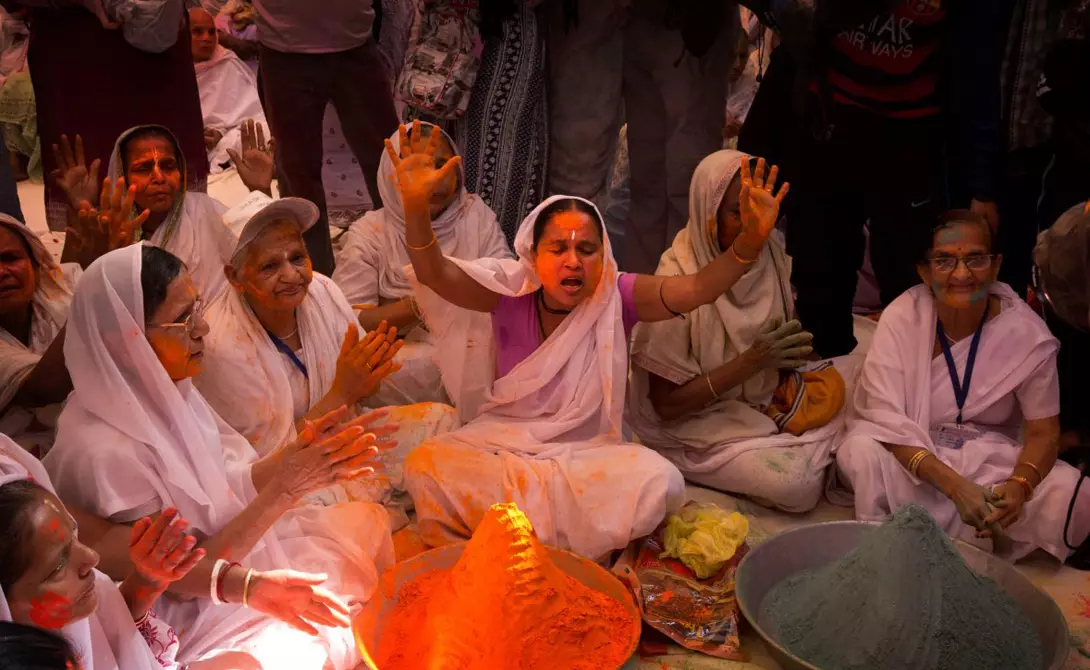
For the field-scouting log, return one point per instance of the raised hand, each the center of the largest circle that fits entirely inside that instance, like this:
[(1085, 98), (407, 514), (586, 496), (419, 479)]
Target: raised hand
[(297, 599), (72, 175), (256, 164), (414, 169), (111, 226), (364, 363), (780, 347), (326, 453), (161, 552), (760, 205)]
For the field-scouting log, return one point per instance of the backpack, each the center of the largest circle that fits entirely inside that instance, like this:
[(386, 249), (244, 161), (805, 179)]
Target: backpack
[(443, 58)]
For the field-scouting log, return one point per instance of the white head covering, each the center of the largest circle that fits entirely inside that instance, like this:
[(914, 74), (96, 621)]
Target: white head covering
[(130, 436), (373, 261), (571, 388), (682, 349), (264, 211), (193, 230), (108, 639), (228, 89), (50, 310)]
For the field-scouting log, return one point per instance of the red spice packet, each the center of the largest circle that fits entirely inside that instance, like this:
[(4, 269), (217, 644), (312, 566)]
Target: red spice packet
[(698, 614)]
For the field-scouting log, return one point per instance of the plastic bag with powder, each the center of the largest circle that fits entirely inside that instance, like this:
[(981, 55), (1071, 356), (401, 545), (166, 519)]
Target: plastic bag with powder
[(700, 614)]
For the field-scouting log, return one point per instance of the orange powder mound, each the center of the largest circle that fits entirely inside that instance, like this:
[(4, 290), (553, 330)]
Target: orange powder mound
[(407, 543), (504, 606)]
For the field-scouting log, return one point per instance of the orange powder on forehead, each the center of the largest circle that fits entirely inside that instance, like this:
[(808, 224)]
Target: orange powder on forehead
[(505, 606)]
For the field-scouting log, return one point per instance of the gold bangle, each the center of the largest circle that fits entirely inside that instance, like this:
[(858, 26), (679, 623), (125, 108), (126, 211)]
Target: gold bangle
[(740, 259), (246, 587), (1031, 466), (710, 387), (434, 239), (916, 460), (1024, 483)]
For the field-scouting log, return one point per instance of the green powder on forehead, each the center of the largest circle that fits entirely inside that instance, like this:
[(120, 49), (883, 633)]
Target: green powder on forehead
[(904, 599)]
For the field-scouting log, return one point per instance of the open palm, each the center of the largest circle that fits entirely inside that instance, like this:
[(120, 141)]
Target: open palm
[(72, 175), (414, 169), (760, 203)]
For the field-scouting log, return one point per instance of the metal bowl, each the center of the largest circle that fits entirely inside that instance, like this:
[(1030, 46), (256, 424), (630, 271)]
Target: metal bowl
[(369, 623), (817, 545)]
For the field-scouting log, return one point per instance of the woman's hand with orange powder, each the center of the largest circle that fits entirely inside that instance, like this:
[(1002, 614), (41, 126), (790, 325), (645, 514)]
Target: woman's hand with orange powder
[(364, 363), (161, 553), (760, 204), (414, 169), (256, 164), (111, 226), (327, 452), (79, 182)]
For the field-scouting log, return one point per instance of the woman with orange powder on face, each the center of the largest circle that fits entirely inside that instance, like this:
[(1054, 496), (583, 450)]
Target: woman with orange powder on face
[(187, 224), (284, 347), (542, 386), (371, 265), (136, 438)]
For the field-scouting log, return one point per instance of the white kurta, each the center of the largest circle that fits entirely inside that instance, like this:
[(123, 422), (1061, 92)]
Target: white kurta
[(905, 392), (547, 435), (130, 440), (228, 89), (371, 265), (259, 391), (33, 428)]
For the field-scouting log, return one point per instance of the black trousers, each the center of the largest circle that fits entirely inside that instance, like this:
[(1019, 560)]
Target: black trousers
[(867, 168)]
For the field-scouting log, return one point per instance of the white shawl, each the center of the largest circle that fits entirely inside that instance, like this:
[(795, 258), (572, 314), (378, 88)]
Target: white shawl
[(898, 382), (682, 349), (243, 376), (108, 639), (130, 436), (567, 395), (193, 231), (371, 268), (50, 310), (228, 89)]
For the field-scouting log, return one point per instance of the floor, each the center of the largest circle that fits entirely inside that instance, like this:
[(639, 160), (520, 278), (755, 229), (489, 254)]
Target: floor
[(1069, 588)]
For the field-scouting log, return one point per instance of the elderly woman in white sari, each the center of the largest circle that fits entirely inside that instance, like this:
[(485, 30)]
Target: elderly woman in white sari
[(35, 292), (136, 438), (284, 347), (49, 580), (541, 381), (187, 224), (228, 89), (371, 266), (716, 393), (957, 406)]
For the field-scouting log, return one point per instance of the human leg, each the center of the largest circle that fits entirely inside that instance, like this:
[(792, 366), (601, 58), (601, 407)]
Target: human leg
[(297, 88)]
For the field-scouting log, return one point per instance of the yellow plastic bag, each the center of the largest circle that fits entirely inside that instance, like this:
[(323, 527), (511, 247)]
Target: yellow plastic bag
[(704, 537)]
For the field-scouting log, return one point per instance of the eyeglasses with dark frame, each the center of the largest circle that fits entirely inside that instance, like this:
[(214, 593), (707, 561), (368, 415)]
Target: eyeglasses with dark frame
[(973, 262)]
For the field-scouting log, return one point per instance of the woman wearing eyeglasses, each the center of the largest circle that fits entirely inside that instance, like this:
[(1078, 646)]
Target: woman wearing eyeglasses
[(137, 438), (957, 407)]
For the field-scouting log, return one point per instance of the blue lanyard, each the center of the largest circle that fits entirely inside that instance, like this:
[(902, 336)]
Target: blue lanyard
[(961, 389), (286, 350)]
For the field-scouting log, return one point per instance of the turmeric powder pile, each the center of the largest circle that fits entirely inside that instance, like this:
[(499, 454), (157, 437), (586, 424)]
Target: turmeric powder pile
[(505, 606)]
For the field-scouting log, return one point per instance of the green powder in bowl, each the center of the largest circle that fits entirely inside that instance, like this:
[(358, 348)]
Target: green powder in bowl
[(902, 600)]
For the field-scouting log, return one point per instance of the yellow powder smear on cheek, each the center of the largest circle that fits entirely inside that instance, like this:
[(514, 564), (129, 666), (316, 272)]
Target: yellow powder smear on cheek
[(505, 606)]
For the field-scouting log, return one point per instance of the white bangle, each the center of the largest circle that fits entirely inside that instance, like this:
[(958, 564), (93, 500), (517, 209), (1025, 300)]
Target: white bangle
[(216, 570)]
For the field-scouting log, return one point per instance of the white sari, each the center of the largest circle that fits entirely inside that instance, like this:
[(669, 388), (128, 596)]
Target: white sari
[(228, 89), (17, 360), (132, 442), (548, 435), (249, 382), (193, 230), (905, 393), (731, 444), (371, 267), (108, 639)]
